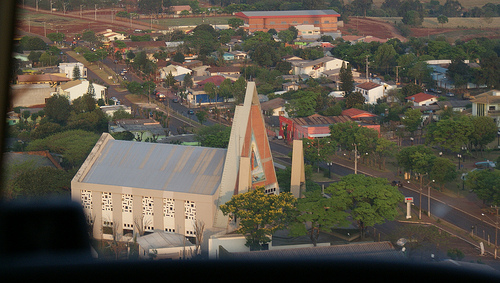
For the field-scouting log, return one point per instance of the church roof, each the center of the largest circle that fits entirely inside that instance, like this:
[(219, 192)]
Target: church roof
[(164, 167)]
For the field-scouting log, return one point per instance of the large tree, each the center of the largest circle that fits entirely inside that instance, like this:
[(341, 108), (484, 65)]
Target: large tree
[(320, 212), (259, 215), (346, 79), (58, 109), (451, 134), (370, 200), (486, 185)]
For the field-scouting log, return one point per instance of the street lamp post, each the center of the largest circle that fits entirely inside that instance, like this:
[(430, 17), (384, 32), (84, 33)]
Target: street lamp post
[(459, 157), (329, 169), (429, 198)]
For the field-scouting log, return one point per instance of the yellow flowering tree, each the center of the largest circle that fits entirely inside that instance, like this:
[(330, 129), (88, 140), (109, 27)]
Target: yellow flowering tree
[(260, 214)]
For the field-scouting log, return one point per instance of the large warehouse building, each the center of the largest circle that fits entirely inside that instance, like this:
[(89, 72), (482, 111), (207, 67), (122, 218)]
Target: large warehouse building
[(326, 20)]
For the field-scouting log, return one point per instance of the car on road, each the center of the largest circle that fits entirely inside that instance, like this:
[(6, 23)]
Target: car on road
[(397, 183), (175, 100), (190, 112), (449, 94)]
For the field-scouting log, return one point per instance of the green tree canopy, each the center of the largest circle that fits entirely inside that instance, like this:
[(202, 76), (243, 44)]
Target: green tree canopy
[(320, 212), (58, 109), (370, 200), (73, 145), (260, 215), (486, 185), (214, 136)]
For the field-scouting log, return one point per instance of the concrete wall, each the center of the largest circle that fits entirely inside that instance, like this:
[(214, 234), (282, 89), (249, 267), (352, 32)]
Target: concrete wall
[(30, 94)]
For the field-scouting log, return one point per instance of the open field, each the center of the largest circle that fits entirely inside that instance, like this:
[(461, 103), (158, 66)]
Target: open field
[(465, 3), (491, 23), (187, 21)]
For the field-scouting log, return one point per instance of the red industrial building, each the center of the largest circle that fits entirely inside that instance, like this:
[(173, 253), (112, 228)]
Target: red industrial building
[(326, 20), (314, 126)]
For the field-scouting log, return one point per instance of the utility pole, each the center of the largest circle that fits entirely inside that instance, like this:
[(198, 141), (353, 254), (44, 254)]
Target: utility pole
[(397, 74), (95, 12), (367, 68)]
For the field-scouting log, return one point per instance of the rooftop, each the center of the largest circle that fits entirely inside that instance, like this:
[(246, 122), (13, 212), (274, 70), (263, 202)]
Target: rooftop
[(492, 96), (419, 97), (376, 250), (368, 85), (163, 167), (317, 120)]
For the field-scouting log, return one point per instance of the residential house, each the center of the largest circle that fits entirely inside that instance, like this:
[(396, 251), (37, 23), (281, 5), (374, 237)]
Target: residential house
[(143, 129), (315, 68), (77, 88), (274, 107), (487, 104), (455, 105), (371, 91), (289, 86), (422, 99), (175, 70), (68, 69), (110, 109), (308, 31), (230, 70), (109, 35), (50, 79), (239, 55)]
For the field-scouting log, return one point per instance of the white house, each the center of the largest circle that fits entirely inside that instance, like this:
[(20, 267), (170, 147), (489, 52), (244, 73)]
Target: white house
[(371, 91), (68, 68), (175, 70), (316, 67), (422, 99), (77, 88), (274, 107), (109, 35), (487, 104), (308, 31)]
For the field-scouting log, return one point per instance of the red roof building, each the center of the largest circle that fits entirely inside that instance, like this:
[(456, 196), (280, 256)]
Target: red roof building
[(326, 20), (357, 114), (422, 99), (314, 126), (216, 80)]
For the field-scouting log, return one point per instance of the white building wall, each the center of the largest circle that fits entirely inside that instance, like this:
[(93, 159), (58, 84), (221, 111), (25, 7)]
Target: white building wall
[(67, 68), (82, 88)]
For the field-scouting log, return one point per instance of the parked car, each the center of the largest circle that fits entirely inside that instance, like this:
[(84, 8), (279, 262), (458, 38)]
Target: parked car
[(190, 112), (450, 94), (175, 100), (397, 183)]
